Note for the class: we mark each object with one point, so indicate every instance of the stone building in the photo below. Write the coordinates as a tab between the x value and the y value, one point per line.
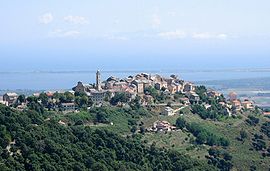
10	98
98	81
189	87
168	111
140	86
82	88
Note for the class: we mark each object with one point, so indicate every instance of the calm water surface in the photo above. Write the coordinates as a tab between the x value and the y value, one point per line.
66	80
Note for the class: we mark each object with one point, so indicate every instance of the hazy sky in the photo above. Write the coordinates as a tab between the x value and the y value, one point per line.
131	34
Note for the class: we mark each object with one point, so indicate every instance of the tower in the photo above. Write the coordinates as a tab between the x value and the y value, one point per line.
98	81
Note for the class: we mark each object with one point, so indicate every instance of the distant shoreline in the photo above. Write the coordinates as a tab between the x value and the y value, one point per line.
64	80
140	71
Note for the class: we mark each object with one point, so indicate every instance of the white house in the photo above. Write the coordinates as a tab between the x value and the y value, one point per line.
168	111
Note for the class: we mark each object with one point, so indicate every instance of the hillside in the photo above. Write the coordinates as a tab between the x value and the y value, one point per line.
248	152
155	128
245	153
31	142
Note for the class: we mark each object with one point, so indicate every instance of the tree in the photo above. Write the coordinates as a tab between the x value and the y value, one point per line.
202	137
44	99
81	101
36	107
243	134
32	99
265	128
135	104
119	98
102	118
142	130
151	91
252	120
69	97
79	122
99	167
133	129
180	123
51	146
21	99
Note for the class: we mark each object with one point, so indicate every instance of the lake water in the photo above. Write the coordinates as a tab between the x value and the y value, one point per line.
68	79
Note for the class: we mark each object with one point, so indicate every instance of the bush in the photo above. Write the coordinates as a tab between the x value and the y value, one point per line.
252	120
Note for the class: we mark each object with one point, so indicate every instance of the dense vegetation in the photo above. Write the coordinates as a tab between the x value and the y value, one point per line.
42	144
252	120
220	158
202	134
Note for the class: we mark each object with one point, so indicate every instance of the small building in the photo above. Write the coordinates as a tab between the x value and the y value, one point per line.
172	88
3	103
185	101
163	126
237	104
247	104
168	111
222	103
189	87
67	106
140	86
266	113
10	98
193	97
82	88
98	96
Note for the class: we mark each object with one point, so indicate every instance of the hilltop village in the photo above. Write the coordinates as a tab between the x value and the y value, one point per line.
170	93
166	112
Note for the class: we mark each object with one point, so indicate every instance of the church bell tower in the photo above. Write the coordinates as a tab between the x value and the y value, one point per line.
98	81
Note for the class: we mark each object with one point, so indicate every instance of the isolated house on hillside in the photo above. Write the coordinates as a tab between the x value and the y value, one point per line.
163	126
168	111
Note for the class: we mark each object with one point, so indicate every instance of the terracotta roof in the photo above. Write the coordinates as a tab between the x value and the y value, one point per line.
266	113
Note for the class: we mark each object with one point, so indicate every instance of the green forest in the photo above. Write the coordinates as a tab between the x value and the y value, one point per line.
30	142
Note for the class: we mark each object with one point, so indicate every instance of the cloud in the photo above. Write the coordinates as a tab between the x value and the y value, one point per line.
221	36
115	37
64	34
46	18
76	19
156	21
172	35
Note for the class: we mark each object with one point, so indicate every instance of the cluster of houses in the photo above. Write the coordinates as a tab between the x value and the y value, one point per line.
9	99
237	104
135	86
